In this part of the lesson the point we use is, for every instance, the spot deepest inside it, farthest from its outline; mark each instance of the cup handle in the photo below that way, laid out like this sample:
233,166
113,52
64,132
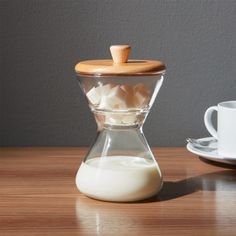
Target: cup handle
208,121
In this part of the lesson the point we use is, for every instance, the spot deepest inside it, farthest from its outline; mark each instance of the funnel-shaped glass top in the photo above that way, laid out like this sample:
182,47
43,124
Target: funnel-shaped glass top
120,100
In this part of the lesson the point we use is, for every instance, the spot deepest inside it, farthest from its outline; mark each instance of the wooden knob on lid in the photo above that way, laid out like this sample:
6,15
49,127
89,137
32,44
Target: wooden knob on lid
120,53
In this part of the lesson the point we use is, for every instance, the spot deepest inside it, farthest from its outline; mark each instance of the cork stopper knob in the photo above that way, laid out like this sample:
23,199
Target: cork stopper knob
120,53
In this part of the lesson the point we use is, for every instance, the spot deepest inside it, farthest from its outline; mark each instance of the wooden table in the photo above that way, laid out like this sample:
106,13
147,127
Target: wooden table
38,197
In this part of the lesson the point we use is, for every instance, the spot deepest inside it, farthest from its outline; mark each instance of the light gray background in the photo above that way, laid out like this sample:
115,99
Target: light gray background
41,41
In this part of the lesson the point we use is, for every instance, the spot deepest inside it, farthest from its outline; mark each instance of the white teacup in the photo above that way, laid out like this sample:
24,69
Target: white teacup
226,127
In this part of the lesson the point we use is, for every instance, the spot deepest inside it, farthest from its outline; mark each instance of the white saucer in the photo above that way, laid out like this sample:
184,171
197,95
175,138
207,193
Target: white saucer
210,152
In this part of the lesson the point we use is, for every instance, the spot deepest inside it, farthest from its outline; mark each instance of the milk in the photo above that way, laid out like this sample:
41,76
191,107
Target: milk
119,178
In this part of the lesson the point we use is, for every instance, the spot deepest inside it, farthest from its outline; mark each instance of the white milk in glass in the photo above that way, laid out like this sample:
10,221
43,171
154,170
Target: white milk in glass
119,178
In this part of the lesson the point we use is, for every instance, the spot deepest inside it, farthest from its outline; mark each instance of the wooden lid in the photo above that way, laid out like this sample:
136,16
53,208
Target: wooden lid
120,65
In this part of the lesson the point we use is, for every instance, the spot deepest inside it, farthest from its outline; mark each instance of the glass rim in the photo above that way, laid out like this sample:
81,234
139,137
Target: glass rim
95,75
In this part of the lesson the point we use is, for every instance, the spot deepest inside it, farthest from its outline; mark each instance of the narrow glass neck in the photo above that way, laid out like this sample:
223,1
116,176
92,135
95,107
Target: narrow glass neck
120,141
122,127
119,120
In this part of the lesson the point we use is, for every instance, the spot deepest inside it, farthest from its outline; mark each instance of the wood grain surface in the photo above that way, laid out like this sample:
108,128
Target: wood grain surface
38,197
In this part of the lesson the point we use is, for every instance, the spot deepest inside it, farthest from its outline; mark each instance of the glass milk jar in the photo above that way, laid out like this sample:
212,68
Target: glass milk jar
119,165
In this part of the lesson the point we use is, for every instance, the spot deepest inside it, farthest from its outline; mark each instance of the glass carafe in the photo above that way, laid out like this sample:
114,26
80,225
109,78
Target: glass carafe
120,165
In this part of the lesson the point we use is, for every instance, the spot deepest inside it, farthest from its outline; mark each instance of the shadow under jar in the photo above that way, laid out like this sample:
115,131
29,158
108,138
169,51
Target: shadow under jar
120,166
